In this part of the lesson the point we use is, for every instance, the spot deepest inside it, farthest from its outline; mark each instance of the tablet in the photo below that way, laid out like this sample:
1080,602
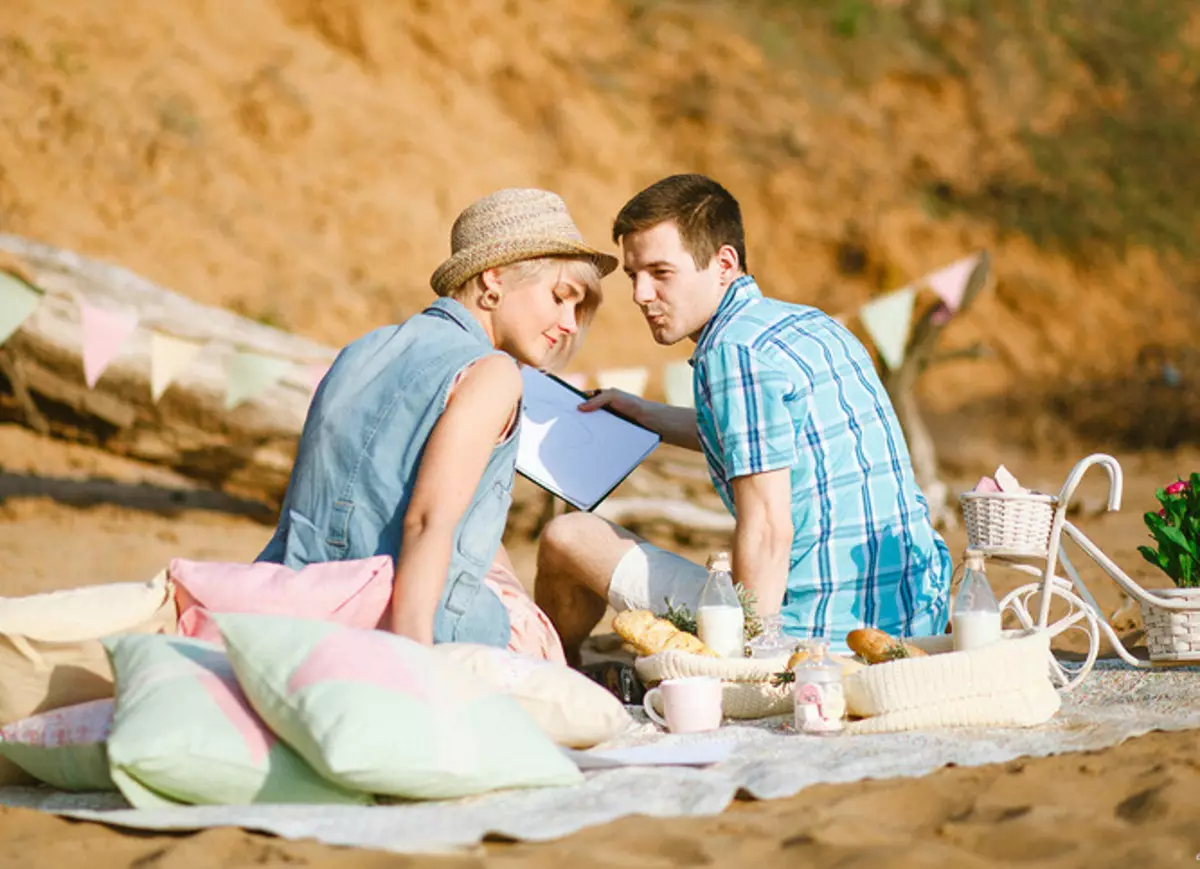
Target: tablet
578,456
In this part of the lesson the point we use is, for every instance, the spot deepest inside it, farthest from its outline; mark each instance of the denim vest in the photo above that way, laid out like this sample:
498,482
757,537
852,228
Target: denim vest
360,452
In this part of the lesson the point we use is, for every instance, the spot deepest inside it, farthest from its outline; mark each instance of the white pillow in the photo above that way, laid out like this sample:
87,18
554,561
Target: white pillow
75,614
569,707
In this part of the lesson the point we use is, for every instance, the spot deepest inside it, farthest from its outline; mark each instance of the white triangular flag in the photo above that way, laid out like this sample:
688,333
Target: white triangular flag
887,320
631,380
169,356
104,331
251,373
677,384
17,301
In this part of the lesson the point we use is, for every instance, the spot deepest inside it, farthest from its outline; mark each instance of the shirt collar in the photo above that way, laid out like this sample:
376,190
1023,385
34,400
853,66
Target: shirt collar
741,290
456,312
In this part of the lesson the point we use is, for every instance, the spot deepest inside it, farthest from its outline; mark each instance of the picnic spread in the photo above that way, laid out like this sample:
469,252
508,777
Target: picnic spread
265,697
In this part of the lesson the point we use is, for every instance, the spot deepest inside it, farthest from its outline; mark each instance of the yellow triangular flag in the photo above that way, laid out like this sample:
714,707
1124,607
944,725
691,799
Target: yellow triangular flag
887,320
169,356
250,374
677,384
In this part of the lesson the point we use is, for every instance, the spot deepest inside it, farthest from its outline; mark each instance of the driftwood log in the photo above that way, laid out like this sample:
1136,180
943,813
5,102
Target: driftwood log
247,451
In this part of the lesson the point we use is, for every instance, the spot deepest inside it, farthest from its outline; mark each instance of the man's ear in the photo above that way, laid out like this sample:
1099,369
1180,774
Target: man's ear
728,263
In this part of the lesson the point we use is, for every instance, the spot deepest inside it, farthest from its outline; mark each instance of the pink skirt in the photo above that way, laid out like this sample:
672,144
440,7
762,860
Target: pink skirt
532,634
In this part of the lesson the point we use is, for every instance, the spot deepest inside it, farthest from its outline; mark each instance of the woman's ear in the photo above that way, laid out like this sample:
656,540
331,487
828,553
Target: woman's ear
490,280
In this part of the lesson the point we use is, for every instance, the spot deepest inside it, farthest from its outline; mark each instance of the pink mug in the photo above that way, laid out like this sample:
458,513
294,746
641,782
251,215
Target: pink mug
692,704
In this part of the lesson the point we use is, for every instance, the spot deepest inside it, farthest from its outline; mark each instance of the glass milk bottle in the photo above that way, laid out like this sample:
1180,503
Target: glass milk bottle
720,621
819,700
976,618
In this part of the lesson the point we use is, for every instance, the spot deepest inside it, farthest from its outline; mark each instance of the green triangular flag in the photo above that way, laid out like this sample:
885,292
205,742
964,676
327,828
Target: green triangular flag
250,374
17,301
887,320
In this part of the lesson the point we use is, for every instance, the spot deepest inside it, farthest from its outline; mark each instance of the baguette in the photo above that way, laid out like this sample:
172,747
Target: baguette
848,665
650,635
877,647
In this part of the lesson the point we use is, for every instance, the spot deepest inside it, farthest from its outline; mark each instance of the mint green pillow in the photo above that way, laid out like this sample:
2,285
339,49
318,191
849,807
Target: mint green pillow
64,748
183,732
380,713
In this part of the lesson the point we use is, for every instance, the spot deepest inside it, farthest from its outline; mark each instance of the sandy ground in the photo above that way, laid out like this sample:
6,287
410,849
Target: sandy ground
72,515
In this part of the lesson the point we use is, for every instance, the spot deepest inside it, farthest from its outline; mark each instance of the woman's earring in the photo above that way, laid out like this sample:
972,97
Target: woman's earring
490,300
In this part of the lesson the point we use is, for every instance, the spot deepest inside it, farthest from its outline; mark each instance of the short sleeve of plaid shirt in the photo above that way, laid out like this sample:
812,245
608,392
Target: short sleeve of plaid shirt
751,410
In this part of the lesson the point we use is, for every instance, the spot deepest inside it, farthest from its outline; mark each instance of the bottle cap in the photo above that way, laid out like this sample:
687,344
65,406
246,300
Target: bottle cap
973,559
719,560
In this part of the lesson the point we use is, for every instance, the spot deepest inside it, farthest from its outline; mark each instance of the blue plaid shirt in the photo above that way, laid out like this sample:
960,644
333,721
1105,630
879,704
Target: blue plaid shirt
786,386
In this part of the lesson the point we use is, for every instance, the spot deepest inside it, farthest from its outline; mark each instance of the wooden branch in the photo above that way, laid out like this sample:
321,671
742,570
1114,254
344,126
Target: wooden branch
247,452
901,386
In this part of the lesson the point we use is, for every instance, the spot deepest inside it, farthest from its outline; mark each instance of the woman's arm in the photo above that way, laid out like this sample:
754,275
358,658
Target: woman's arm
453,463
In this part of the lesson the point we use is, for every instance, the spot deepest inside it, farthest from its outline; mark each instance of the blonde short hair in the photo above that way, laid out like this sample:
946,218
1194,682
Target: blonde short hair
578,269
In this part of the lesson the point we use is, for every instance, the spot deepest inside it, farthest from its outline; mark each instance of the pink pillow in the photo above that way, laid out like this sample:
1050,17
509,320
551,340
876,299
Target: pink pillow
351,593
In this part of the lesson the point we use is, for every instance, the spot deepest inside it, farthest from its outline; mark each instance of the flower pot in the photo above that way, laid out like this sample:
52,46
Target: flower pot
1173,635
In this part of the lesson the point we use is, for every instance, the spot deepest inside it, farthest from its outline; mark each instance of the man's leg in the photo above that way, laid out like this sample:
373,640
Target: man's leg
586,563
577,554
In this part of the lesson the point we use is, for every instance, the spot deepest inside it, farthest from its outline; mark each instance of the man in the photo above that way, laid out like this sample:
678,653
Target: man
802,444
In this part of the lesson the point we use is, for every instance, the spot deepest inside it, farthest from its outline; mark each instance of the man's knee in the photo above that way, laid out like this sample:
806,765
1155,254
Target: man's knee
566,539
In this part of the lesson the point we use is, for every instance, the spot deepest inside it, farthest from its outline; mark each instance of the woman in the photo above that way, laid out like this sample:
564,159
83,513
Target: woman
409,447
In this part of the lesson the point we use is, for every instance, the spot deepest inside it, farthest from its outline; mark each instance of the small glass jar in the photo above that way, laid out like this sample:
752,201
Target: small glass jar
819,700
771,641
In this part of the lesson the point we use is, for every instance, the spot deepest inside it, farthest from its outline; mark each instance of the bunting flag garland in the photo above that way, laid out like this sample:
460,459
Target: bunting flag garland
250,374
887,320
18,300
169,356
950,283
576,379
631,380
104,331
677,384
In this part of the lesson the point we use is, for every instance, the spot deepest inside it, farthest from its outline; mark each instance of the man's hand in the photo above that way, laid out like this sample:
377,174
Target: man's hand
675,425
762,543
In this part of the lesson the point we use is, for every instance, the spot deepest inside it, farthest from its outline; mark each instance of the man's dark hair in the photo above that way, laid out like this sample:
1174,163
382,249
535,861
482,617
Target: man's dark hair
707,215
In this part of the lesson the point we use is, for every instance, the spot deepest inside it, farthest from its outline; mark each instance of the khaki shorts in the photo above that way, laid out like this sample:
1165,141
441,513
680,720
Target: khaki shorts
646,577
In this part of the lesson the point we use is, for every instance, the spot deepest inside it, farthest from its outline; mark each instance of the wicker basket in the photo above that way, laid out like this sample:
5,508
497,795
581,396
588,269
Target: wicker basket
1009,524
1173,635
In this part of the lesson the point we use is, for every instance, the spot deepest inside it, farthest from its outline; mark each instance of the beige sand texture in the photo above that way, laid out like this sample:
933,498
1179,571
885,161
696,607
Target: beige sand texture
300,162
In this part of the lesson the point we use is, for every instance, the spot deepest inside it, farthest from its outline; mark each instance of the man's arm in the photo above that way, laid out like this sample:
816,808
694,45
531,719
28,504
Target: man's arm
762,543
675,425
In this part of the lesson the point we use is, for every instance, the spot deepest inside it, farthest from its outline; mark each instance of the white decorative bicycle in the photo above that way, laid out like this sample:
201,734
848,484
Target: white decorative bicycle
1026,531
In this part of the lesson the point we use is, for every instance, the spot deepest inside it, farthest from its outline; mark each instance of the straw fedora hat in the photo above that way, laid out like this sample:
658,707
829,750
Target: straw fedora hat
509,226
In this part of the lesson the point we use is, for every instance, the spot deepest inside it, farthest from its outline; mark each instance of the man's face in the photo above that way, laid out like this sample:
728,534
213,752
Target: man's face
677,299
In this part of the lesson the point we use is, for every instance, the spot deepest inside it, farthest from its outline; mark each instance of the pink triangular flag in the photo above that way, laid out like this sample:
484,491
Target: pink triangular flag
577,379
316,372
104,332
950,283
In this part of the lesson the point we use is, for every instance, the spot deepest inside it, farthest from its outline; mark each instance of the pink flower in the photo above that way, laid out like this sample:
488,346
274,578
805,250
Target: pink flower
1178,487
1162,514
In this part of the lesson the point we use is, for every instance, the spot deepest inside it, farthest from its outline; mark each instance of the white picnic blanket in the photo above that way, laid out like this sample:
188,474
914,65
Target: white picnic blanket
768,761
